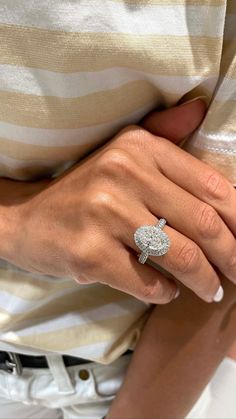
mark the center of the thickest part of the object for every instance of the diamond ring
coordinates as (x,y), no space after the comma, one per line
(151,240)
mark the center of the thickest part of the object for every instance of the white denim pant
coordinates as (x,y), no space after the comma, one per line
(83,391)
(86,391)
(218,400)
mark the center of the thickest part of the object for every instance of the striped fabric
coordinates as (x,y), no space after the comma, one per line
(73,73)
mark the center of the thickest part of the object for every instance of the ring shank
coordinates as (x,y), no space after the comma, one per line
(161,224)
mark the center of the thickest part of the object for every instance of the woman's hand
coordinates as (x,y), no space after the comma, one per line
(82,223)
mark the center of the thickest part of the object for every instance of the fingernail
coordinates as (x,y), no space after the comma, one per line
(204,98)
(177,294)
(219,295)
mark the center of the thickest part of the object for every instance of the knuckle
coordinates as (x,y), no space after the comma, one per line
(153,291)
(232,263)
(99,204)
(83,257)
(215,185)
(187,258)
(129,130)
(157,292)
(135,135)
(85,254)
(114,162)
(209,223)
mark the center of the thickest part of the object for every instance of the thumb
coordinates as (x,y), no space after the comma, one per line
(176,123)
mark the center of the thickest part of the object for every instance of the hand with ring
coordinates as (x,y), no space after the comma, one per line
(82,224)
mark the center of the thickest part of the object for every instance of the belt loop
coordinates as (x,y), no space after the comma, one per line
(60,374)
(10,362)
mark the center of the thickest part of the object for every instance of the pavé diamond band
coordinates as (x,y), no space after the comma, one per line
(151,240)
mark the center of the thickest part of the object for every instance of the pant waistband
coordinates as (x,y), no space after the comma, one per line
(14,363)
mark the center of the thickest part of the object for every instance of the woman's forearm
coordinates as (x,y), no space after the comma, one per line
(180,348)
(13,194)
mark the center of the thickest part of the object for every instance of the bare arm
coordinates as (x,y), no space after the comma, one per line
(179,350)
(98,204)
(174,124)
(13,195)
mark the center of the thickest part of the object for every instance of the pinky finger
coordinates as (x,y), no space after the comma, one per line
(142,281)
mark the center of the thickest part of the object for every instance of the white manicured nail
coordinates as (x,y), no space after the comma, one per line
(177,293)
(219,295)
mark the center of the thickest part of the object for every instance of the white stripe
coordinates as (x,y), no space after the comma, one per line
(77,318)
(9,347)
(46,83)
(218,142)
(99,133)
(226,90)
(106,16)
(7,266)
(13,304)
(16,305)
(94,351)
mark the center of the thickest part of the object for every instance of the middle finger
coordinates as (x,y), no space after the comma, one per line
(196,220)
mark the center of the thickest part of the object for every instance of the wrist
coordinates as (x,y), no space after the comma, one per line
(13,199)
(10,225)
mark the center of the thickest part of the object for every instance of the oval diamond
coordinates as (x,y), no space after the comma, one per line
(152,239)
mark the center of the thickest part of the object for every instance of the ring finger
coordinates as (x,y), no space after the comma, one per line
(184,260)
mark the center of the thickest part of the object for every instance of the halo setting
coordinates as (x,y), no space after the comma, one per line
(151,240)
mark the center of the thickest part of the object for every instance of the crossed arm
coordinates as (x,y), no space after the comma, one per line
(180,348)
(34,205)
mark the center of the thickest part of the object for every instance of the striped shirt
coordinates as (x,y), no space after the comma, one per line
(72,74)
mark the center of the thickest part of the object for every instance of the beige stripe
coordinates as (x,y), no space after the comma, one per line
(50,112)
(31,291)
(128,339)
(93,109)
(72,52)
(222,117)
(22,151)
(29,287)
(224,163)
(73,337)
(80,301)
